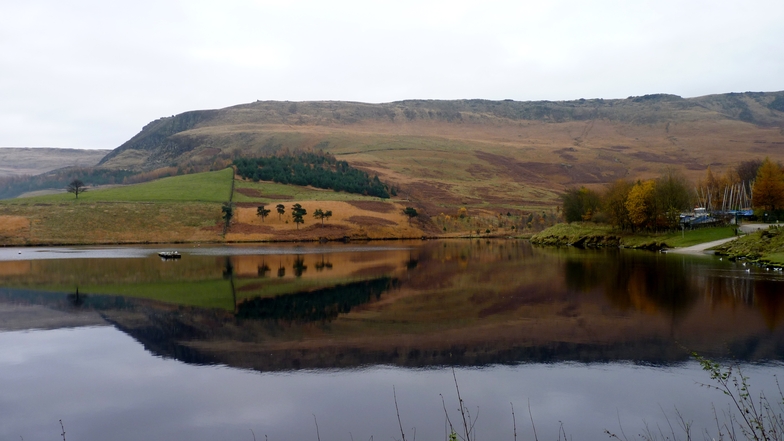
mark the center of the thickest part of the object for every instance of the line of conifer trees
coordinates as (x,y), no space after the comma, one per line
(320,170)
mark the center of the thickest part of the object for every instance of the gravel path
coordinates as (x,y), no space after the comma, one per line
(700,248)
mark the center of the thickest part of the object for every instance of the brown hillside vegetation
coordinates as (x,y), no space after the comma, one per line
(34,161)
(485,155)
(352,219)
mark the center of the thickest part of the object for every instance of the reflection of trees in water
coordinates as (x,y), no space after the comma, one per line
(476,250)
(768,295)
(735,289)
(228,269)
(228,274)
(731,288)
(323,263)
(263,269)
(412,262)
(299,266)
(634,281)
(320,305)
(76,300)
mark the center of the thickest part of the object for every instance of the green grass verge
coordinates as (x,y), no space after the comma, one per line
(571,233)
(679,239)
(777,258)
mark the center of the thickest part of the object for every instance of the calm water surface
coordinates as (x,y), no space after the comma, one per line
(229,342)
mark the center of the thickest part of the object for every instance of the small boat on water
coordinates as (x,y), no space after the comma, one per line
(169,254)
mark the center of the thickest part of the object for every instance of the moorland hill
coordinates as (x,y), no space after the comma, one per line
(34,161)
(492,155)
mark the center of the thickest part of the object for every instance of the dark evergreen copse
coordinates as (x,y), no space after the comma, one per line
(320,170)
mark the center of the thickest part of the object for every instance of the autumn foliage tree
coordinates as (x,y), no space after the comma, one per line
(580,204)
(641,204)
(747,171)
(672,197)
(768,191)
(711,190)
(615,203)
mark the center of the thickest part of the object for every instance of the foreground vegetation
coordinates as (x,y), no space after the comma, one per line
(747,417)
(750,415)
(765,247)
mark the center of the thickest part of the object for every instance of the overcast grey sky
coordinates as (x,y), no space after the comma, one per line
(92,73)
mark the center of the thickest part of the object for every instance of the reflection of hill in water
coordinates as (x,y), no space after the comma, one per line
(464,303)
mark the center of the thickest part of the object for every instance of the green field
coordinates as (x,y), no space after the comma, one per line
(201,187)
(176,209)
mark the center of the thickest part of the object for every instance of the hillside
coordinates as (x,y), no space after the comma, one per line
(188,208)
(486,155)
(34,161)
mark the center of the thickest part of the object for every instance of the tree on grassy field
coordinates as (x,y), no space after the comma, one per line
(411,213)
(298,214)
(228,212)
(768,192)
(580,204)
(262,212)
(76,186)
(281,210)
(321,214)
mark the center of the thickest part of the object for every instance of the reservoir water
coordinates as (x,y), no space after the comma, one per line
(301,342)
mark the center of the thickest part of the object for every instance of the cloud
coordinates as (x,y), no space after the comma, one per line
(90,74)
